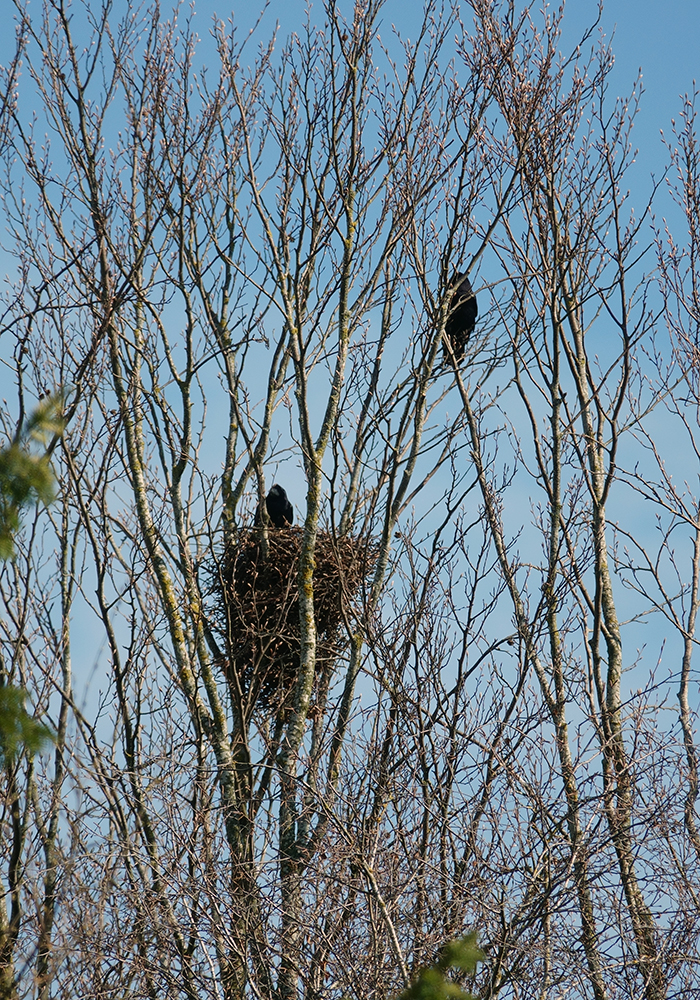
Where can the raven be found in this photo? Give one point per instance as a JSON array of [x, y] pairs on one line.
[[461, 318], [279, 508]]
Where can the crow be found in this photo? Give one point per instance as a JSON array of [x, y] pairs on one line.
[[461, 318], [279, 508]]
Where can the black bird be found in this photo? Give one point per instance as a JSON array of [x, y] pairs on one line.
[[461, 318], [279, 508]]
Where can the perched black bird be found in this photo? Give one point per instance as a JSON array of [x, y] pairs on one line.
[[279, 508], [461, 318]]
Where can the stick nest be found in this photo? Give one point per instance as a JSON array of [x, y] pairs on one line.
[[257, 602]]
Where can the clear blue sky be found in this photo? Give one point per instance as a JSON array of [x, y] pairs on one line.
[[662, 37], [663, 40]]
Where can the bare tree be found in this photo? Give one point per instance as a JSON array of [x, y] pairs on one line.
[[318, 752]]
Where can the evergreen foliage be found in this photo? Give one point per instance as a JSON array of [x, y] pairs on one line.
[[19, 729], [26, 479], [432, 983]]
